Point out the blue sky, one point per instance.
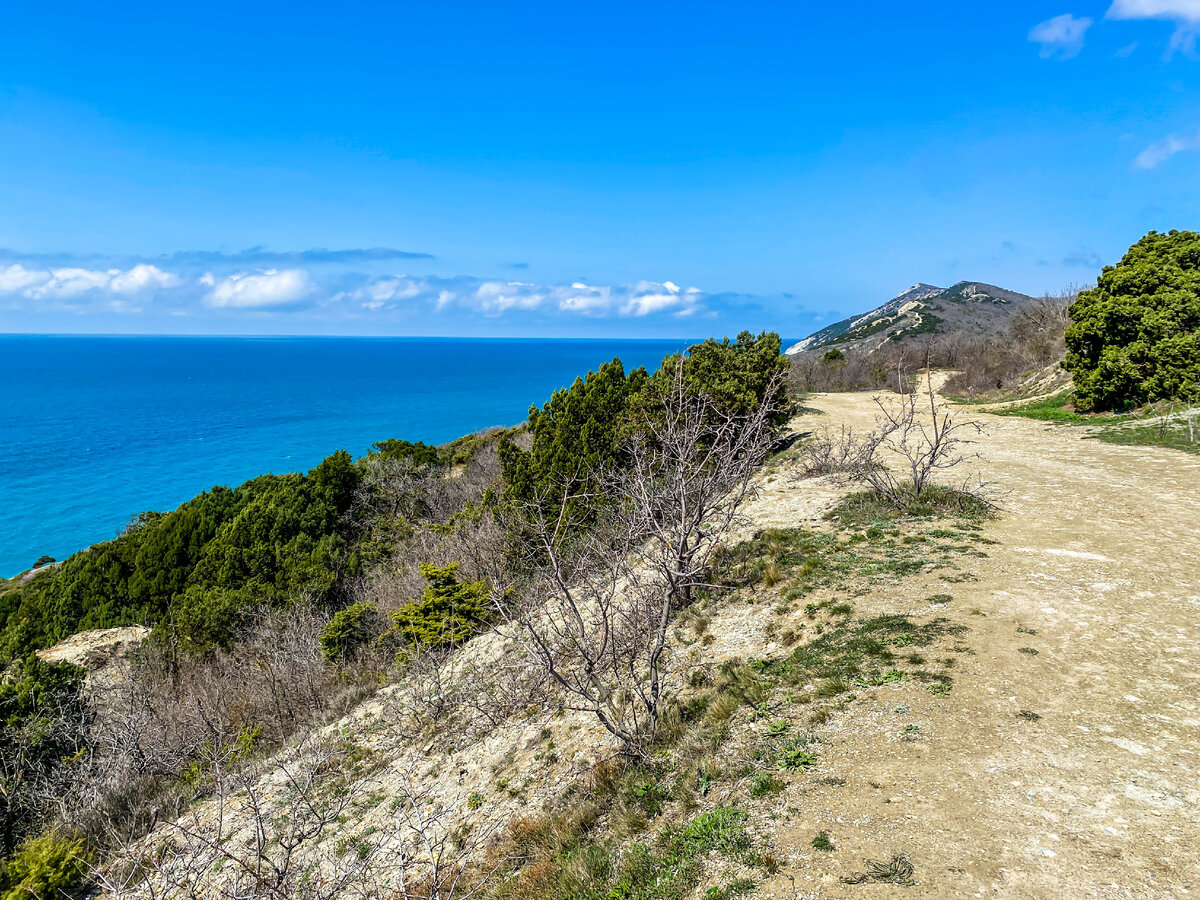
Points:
(588, 169)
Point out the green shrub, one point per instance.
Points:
(49, 867)
(576, 434)
(448, 612)
(581, 431)
(418, 453)
(1135, 337)
(348, 631)
(735, 375)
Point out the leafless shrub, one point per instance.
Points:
(431, 689)
(829, 452)
(926, 446)
(916, 440)
(32, 779)
(595, 616)
(175, 713)
(442, 857)
(248, 845)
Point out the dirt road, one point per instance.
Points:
(1072, 771)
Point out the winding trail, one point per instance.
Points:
(1098, 562)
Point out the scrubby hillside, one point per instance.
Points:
(869, 699)
(278, 605)
(969, 308)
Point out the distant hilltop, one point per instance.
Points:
(969, 306)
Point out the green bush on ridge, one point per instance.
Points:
(1135, 337)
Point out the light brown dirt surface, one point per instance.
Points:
(1098, 564)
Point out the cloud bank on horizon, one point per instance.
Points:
(224, 284)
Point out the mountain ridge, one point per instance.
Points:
(970, 306)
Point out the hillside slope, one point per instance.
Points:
(1035, 734)
(970, 307)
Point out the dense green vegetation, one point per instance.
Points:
(576, 435)
(737, 375)
(1135, 337)
(43, 717)
(46, 866)
(201, 567)
(580, 433)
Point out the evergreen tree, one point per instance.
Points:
(1135, 337)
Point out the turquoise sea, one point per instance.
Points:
(97, 429)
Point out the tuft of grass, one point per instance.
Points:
(936, 501)
(559, 859)
(1027, 650)
(1021, 629)
(864, 649)
(764, 784)
(795, 755)
(823, 843)
(739, 888)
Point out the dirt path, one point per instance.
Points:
(1098, 562)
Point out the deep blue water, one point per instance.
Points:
(96, 429)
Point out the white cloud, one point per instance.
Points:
(583, 298)
(1160, 151)
(263, 290)
(73, 283)
(1184, 13)
(26, 285)
(141, 278)
(16, 278)
(381, 292)
(1175, 10)
(1060, 37)
(69, 283)
(496, 297)
(650, 297)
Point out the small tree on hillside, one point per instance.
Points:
(595, 614)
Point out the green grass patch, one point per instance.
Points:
(823, 843)
(1173, 435)
(1112, 429)
(866, 508)
(864, 650)
(764, 784)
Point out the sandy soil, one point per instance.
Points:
(1099, 554)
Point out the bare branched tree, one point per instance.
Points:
(595, 615)
(916, 439)
(255, 846)
(442, 858)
